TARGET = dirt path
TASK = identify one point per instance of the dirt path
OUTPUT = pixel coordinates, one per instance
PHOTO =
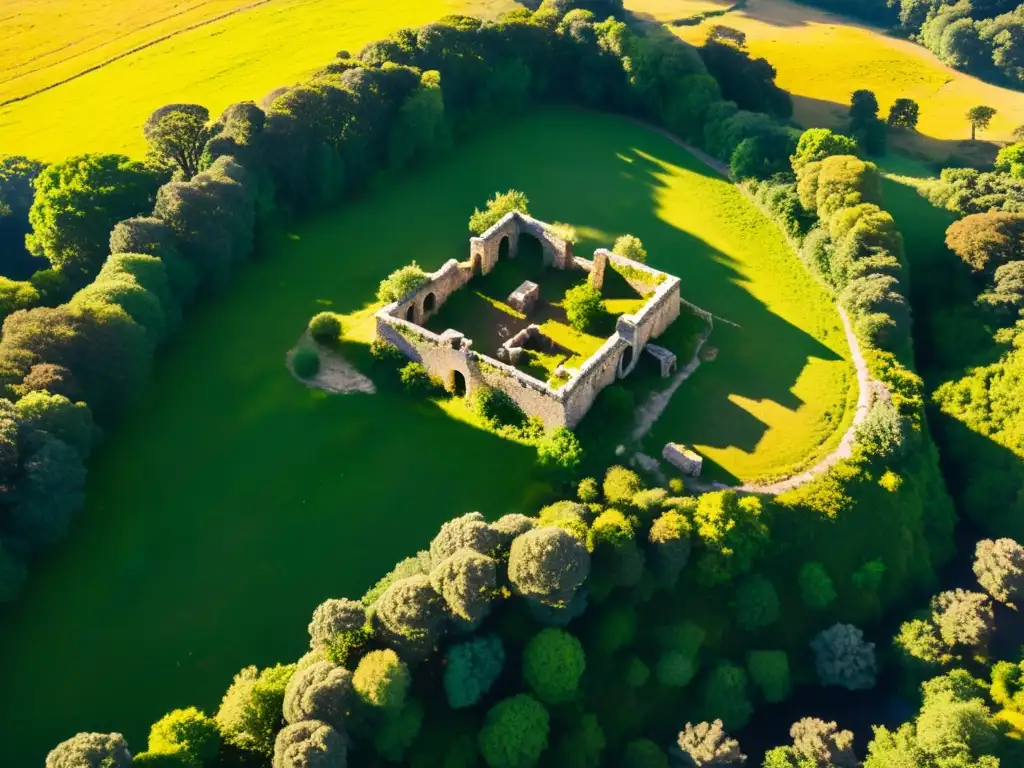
(649, 412)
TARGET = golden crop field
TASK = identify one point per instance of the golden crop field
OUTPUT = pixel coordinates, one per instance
(822, 58)
(83, 76)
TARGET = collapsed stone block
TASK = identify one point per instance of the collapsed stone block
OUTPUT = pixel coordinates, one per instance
(666, 359)
(688, 462)
(525, 297)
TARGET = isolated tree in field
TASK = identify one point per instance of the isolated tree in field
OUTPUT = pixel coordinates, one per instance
(468, 531)
(979, 117)
(707, 744)
(471, 668)
(548, 565)
(310, 743)
(999, 566)
(553, 663)
(78, 201)
(723, 34)
(630, 247)
(863, 106)
(515, 733)
(904, 113)
(843, 658)
(382, 680)
(467, 582)
(815, 144)
(497, 206)
(984, 241)
(963, 618)
(250, 712)
(91, 750)
(177, 135)
(865, 123)
(320, 691)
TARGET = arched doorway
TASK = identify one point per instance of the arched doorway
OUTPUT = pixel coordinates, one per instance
(503, 247)
(410, 313)
(625, 361)
(530, 253)
(458, 384)
(428, 302)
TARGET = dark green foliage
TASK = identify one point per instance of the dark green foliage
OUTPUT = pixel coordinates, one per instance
(725, 696)
(843, 658)
(816, 587)
(644, 753)
(471, 668)
(417, 381)
(675, 669)
(325, 327)
(553, 663)
(869, 576)
(496, 408)
(614, 629)
(515, 733)
(756, 603)
(12, 573)
(306, 363)
(903, 113)
(50, 493)
(769, 671)
(636, 672)
(397, 730)
(497, 207)
(748, 82)
(581, 745)
(17, 173)
(55, 414)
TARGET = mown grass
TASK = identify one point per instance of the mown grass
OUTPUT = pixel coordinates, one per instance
(821, 58)
(232, 499)
(243, 56)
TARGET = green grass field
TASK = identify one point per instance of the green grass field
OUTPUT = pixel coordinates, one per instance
(821, 58)
(107, 64)
(233, 499)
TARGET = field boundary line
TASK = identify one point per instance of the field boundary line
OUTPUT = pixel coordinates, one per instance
(133, 51)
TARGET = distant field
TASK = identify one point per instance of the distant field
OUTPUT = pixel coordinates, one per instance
(233, 499)
(822, 58)
(213, 52)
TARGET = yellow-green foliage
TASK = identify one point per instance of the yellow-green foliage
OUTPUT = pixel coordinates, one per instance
(821, 58)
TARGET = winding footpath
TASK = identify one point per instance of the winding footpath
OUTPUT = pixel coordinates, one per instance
(868, 389)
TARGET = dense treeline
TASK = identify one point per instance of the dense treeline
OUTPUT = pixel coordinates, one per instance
(137, 251)
(573, 637)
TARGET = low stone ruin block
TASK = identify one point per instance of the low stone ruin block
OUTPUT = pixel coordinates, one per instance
(666, 359)
(525, 297)
(687, 461)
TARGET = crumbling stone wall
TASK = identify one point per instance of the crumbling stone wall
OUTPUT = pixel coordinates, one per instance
(423, 303)
(483, 250)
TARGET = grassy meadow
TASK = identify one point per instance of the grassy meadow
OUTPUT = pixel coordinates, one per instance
(107, 64)
(822, 58)
(232, 499)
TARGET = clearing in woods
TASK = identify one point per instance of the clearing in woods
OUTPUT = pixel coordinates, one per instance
(83, 77)
(821, 58)
(232, 499)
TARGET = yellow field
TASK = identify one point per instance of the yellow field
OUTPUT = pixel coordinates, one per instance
(822, 58)
(125, 58)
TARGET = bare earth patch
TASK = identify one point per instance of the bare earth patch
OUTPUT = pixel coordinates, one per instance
(336, 375)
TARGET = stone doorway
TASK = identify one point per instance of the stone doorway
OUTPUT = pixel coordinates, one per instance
(458, 384)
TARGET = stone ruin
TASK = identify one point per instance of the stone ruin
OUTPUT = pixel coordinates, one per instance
(450, 355)
(682, 458)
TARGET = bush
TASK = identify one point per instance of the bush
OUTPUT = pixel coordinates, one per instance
(621, 485)
(816, 588)
(515, 733)
(417, 381)
(583, 306)
(382, 680)
(306, 363)
(630, 247)
(770, 672)
(496, 407)
(471, 668)
(325, 327)
(756, 604)
(553, 663)
(187, 732)
(560, 450)
(497, 206)
(588, 491)
(250, 712)
(401, 283)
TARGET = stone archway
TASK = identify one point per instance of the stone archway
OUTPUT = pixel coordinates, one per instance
(429, 301)
(503, 248)
(410, 313)
(626, 361)
(458, 385)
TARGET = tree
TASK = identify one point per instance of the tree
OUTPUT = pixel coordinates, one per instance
(177, 135)
(583, 306)
(553, 663)
(325, 327)
(410, 616)
(815, 144)
(382, 680)
(1018, 133)
(17, 174)
(1011, 160)
(904, 113)
(630, 247)
(187, 733)
(725, 695)
(78, 201)
(769, 670)
(151, 236)
(963, 618)
(515, 733)
(675, 669)
(644, 753)
(816, 587)
(91, 750)
(471, 668)
(559, 451)
(822, 745)
(863, 107)
(497, 207)
(756, 604)
(321, 691)
(467, 582)
(508, 527)
(469, 531)
(919, 643)
(55, 414)
(669, 541)
(50, 492)
(843, 658)
(979, 118)
(310, 743)
(401, 283)
(621, 485)
(548, 565)
(588, 490)
(333, 617)
(707, 744)
(581, 744)
(250, 712)
(984, 241)
(999, 566)
(420, 128)
(732, 532)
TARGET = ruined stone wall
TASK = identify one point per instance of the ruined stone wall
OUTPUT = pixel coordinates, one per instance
(534, 397)
(423, 303)
(483, 250)
(596, 373)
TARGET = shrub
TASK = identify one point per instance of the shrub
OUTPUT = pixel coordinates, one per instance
(497, 206)
(816, 144)
(250, 712)
(630, 247)
(382, 680)
(416, 380)
(471, 668)
(869, 576)
(468, 582)
(496, 407)
(410, 616)
(515, 733)
(769, 671)
(306, 363)
(669, 540)
(621, 485)
(816, 588)
(310, 743)
(553, 663)
(187, 732)
(548, 565)
(385, 352)
(560, 451)
(319, 691)
(397, 731)
(468, 531)
(583, 306)
(401, 283)
(588, 491)
(756, 604)
(91, 750)
(325, 327)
